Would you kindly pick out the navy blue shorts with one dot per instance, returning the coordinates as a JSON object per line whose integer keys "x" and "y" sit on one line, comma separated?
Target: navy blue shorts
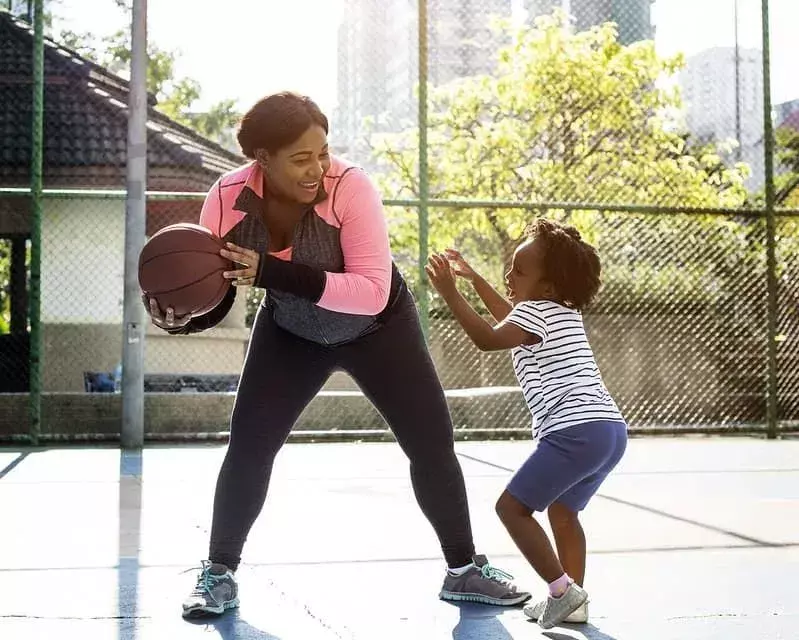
{"x": 568, "y": 466}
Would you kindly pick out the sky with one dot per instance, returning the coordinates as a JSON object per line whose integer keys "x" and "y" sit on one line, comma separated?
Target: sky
{"x": 245, "y": 49}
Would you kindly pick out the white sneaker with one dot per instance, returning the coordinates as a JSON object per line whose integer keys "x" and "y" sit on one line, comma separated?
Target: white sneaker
{"x": 578, "y": 616}
{"x": 556, "y": 610}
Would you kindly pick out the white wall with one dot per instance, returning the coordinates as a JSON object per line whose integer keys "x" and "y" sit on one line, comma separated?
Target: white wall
{"x": 83, "y": 261}
{"x": 82, "y": 289}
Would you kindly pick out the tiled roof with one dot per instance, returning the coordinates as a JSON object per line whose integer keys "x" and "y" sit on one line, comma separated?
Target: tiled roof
{"x": 85, "y": 124}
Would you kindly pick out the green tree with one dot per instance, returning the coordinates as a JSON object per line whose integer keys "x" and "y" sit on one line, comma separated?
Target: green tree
{"x": 5, "y": 281}
{"x": 787, "y": 181}
{"x": 566, "y": 117}
{"x": 175, "y": 96}
{"x": 24, "y": 9}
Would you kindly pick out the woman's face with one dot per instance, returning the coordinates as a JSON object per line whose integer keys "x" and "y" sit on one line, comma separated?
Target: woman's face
{"x": 296, "y": 171}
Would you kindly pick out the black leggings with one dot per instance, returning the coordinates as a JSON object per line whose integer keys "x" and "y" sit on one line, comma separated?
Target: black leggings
{"x": 282, "y": 374}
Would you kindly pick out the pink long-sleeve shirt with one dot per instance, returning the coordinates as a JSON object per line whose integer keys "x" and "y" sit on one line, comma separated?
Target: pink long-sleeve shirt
{"x": 346, "y": 235}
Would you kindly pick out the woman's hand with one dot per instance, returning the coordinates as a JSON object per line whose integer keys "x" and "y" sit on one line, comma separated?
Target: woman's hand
{"x": 248, "y": 258}
{"x": 164, "y": 319}
{"x": 441, "y": 275}
{"x": 462, "y": 268}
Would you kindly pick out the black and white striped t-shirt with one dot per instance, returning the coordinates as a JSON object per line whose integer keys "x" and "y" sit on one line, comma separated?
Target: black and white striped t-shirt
{"x": 559, "y": 376}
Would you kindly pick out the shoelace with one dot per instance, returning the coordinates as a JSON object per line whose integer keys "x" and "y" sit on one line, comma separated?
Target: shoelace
{"x": 497, "y": 575}
{"x": 205, "y": 581}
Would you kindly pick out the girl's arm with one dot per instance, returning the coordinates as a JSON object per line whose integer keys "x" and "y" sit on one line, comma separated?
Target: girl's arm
{"x": 505, "y": 335}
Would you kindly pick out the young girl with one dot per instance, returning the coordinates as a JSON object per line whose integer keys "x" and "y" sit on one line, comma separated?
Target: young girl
{"x": 580, "y": 431}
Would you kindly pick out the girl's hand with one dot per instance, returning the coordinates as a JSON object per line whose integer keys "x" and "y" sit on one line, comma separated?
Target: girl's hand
{"x": 462, "y": 268}
{"x": 245, "y": 257}
{"x": 441, "y": 275}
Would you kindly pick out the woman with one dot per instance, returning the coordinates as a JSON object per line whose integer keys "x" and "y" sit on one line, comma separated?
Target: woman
{"x": 310, "y": 230}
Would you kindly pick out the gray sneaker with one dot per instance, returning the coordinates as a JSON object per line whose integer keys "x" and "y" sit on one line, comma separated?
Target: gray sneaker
{"x": 484, "y": 584}
{"x": 215, "y": 592}
{"x": 578, "y": 616}
{"x": 557, "y": 610}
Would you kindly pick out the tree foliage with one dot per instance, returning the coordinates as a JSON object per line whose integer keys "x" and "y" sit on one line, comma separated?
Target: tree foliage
{"x": 566, "y": 118}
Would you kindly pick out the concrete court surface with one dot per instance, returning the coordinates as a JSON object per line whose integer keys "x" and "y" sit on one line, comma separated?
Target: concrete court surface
{"x": 690, "y": 538}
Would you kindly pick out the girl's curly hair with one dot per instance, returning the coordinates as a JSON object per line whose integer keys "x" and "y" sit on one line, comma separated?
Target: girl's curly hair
{"x": 569, "y": 263}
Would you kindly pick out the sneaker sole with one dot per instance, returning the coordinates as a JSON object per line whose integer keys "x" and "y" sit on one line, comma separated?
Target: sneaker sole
{"x": 555, "y": 623}
{"x": 483, "y": 599}
{"x": 200, "y": 612}
{"x": 570, "y": 619}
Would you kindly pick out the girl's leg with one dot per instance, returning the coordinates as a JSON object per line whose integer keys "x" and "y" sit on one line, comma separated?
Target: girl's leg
{"x": 569, "y": 540}
{"x": 530, "y": 537}
{"x": 611, "y": 437}
{"x": 559, "y": 463}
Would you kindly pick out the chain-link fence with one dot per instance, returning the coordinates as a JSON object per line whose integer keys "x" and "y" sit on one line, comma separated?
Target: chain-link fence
{"x": 616, "y": 117}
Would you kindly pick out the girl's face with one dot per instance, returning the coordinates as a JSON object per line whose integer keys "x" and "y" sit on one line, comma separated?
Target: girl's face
{"x": 525, "y": 280}
{"x": 295, "y": 172}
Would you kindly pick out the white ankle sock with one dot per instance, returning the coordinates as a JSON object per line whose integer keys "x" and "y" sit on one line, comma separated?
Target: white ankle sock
{"x": 459, "y": 571}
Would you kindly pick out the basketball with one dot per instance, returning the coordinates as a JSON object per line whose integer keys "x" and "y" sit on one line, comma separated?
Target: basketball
{"x": 180, "y": 267}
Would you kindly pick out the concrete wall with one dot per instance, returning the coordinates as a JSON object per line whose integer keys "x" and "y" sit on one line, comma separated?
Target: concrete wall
{"x": 71, "y": 349}
{"x": 82, "y": 261}
{"x": 659, "y": 368}
{"x": 683, "y": 368}
{"x": 184, "y": 413}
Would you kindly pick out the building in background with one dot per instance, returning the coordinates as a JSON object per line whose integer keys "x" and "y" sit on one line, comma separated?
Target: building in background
{"x": 719, "y": 107}
{"x": 786, "y": 110}
{"x": 82, "y": 238}
{"x": 369, "y": 44}
{"x": 378, "y": 61}
{"x": 461, "y": 41}
{"x": 633, "y": 17}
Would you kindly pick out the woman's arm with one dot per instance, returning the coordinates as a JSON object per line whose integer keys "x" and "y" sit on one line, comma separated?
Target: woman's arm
{"x": 363, "y": 288}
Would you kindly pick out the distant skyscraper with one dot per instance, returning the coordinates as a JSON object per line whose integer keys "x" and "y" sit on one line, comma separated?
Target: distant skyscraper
{"x": 365, "y": 53}
{"x": 460, "y": 38}
{"x": 710, "y": 95}
{"x": 786, "y": 110}
{"x": 633, "y": 17}
{"x": 378, "y": 59}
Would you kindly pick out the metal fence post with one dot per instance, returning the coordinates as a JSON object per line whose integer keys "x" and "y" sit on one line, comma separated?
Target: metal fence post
{"x": 424, "y": 185}
{"x": 37, "y": 129}
{"x": 771, "y": 232}
{"x": 132, "y": 431}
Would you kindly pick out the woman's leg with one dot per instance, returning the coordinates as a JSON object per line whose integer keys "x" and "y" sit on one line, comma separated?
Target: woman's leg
{"x": 281, "y": 374}
{"x": 394, "y": 369}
